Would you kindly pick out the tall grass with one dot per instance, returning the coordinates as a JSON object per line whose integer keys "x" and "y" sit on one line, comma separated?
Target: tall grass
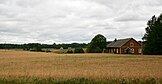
{"x": 80, "y": 81}
{"x": 20, "y": 67}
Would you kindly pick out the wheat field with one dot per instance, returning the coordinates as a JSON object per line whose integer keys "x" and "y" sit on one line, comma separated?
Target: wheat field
{"x": 24, "y": 64}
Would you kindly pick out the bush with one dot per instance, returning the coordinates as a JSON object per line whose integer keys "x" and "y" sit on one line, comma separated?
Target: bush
{"x": 70, "y": 51}
{"x": 78, "y": 50}
{"x": 36, "y": 49}
{"x": 26, "y": 49}
{"x": 47, "y": 50}
{"x": 94, "y": 50}
{"x": 98, "y": 50}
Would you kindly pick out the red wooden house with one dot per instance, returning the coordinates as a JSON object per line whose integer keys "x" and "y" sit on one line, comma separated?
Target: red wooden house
{"x": 125, "y": 46}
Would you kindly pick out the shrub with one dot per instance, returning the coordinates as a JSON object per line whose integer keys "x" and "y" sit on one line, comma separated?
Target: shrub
{"x": 70, "y": 51}
{"x": 98, "y": 50}
{"x": 78, "y": 50}
{"x": 94, "y": 50}
{"x": 47, "y": 50}
{"x": 36, "y": 49}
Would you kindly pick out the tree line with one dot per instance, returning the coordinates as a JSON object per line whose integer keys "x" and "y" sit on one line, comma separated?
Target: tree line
{"x": 38, "y": 45}
{"x": 97, "y": 45}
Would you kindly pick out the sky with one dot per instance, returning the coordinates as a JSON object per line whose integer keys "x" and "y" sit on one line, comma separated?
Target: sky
{"x": 69, "y": 21}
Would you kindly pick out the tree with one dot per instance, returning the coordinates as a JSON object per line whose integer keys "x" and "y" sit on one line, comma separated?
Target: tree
{"x": 97, "y": 44}
{"x": 35, "y": 47}
{"x": 153, "y": 36}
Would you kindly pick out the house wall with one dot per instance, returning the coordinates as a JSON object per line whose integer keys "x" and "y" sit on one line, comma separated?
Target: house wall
{"x": 136, "y": 46}
{"x": 114, "y": 50}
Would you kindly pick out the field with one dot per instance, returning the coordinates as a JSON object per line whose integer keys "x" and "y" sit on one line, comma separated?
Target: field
{"x": 20, "y": 67}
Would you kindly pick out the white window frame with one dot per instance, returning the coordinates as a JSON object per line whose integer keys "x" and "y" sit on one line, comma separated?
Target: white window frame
{"x": 139, "y": 50}
{"x": 117, "y": 51}
{"x": 132, "y": 50}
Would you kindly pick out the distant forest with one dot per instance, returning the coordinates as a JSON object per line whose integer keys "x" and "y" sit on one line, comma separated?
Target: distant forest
{"x": 33, "y": 45}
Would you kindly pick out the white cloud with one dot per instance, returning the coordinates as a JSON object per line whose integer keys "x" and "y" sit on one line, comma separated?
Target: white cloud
{"x": 48, "y": 21}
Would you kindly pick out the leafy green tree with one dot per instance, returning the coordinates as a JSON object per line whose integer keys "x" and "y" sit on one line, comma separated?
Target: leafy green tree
{"x": 153, "y": 36}
{"x": 97, "y": 44}
{"x": 35, "y": 47}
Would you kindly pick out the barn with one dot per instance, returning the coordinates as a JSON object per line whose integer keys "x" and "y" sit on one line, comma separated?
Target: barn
{"x": 124, "y": 46}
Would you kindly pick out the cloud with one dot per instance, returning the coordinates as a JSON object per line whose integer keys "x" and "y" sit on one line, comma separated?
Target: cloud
{"x": 130, "y": 16}
{"x": 65, "y": 21}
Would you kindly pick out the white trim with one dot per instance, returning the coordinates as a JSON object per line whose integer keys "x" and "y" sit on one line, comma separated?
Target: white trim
{"x": 139, "y": 50}
{"x": 117, "y": 51}
{"x": 132, "y": 50}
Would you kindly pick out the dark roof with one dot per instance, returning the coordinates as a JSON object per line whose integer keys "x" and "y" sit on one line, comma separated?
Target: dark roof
{"x": 118, "y": 43}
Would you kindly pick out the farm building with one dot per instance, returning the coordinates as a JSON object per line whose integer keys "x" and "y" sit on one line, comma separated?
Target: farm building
{"x": 124, "y": 46}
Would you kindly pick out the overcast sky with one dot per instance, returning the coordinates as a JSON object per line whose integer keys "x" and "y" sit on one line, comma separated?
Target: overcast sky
{"x": 67, "y": 21}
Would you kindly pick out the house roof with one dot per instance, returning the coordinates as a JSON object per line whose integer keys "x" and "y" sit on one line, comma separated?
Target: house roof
{"x": 118, "y": 43}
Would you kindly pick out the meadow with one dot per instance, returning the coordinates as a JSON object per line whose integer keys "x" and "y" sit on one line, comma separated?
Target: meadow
{"x": 24, "y": 67}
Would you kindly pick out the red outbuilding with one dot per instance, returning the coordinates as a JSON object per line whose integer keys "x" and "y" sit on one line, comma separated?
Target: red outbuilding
{"x": 124, "y": 46}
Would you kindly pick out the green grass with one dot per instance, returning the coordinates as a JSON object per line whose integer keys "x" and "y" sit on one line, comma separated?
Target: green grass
{"x": 81, "y": 81}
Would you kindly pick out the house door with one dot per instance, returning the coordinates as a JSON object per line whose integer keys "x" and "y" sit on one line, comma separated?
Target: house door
{"x": 127, "y": 50}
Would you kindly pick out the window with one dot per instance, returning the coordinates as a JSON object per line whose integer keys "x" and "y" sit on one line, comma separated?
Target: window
{"x": 131, "y": 44}
{"x": 139, "y": 50}
{"x": 117, "y": 51}
{"x": 132, "y": 50}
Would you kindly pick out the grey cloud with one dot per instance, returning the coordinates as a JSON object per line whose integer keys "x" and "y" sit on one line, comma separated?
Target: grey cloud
{"x": 105, "y": 26}
{"x": 48, "y": 21}
{"x": 27, "y": 3}
{"x": 130, "y": 17}
{"x": 3, "y": 1}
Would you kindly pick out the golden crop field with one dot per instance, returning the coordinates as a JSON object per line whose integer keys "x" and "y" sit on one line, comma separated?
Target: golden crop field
{"x": 19, "y": 64}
